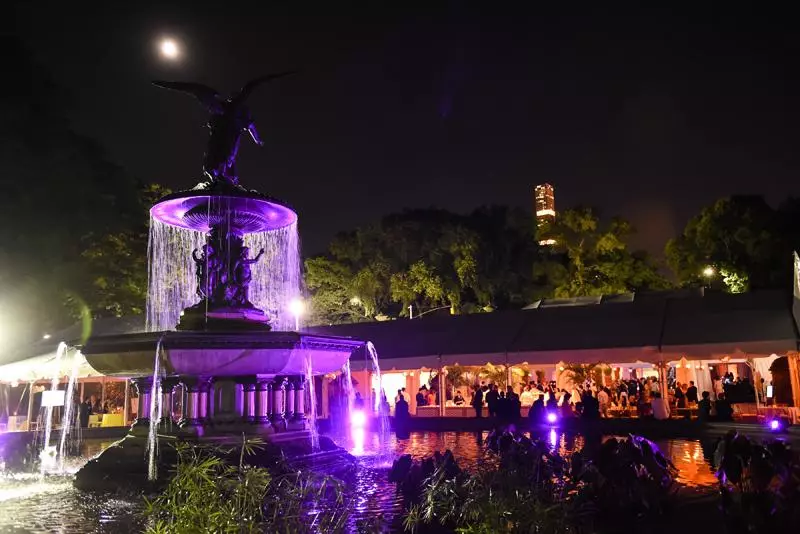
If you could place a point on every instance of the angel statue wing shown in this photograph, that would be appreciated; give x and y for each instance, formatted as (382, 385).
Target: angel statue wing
(207, 96)
(252, 84)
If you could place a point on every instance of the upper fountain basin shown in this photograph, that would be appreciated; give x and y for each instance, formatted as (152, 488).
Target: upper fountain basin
(218, 354)
(231, 206)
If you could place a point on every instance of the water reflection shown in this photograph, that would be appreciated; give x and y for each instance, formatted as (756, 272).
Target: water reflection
(53, 505)
(694, 470)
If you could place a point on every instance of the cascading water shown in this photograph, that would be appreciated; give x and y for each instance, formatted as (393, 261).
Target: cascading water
(69, 412)
(311, 402)
(155, 416)
(172, 282)
(349, 396)
(172, 278)
(378, 405)
(48, 453)
(277, 277)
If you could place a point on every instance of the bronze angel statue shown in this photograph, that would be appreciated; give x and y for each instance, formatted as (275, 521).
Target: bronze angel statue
(229, 119)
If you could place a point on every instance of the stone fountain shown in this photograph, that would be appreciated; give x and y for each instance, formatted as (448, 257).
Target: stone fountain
(236, 374)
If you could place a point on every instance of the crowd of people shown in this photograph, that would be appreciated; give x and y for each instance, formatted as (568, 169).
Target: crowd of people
(92, 406)
(638, 396)
(642, 397)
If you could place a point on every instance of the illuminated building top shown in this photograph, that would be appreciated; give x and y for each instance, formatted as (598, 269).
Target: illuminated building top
(545, 204)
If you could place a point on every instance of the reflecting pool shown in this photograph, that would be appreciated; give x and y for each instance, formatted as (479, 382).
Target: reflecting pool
(29, 503)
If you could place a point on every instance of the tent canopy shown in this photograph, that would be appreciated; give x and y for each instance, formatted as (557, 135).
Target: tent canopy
(643, 328)
(648, 328)
(45, 367)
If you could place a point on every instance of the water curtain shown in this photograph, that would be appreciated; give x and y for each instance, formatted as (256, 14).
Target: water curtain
(172, 279)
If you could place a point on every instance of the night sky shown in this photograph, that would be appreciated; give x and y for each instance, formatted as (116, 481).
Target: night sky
(646, 115)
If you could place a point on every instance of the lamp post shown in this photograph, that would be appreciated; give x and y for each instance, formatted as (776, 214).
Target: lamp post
(297, 307)
(708, 274)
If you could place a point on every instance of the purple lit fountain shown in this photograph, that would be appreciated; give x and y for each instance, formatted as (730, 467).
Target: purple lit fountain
(223, 266)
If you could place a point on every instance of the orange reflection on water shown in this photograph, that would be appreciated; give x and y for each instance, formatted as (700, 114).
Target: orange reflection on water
(693, 469)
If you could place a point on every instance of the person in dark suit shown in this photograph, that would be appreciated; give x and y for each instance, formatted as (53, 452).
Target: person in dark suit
(84, 411)
(421, 400)
(491, 400)
(477, 401)
(691, 393)
(724, 409)
(704, 408)
(401, 418)
(536, 413)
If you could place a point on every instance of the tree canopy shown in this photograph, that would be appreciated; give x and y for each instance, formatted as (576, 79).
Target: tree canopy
(425, 259)
(591, 257)
(746, 243)
(488, 259)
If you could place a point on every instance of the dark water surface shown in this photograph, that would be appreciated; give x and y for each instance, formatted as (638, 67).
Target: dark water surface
(30, 504)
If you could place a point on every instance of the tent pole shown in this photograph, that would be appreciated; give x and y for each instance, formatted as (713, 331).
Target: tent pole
(442, 392)
(662, 379)
(30, 404)
(756, 380)
(126, 408)
(794, 375)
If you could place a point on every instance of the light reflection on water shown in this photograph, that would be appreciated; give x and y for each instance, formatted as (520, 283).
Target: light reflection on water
(30, 504)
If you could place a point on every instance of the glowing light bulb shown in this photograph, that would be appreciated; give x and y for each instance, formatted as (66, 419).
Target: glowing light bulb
(169, 49)
(297, 307)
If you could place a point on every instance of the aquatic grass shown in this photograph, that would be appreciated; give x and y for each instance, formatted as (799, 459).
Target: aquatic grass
(207, 493)
(759, 485)
(531, 488)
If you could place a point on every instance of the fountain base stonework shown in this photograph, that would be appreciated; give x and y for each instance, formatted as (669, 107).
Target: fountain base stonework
(229, 384)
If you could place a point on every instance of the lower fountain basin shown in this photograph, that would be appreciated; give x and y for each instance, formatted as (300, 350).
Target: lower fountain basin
(218, 353)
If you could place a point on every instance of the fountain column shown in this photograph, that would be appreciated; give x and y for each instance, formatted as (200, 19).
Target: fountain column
(202, 400)
(191, 411)
(144, 389)
(289, 398)
(211, 406)
(238, 403)
(168, 386)
(298, 421)
(249, 390)
(278, 403)
(263, 404)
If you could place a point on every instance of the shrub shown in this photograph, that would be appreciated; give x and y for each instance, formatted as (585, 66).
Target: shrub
(760, 485)
(209, 493)
(531, 488)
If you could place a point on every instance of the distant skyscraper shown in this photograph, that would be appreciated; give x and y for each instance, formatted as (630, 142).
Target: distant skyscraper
(545, 204)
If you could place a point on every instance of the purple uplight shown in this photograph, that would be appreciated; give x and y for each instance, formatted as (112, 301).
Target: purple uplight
(551, 417)
(774, 425)
(248, 214)
(358, 419)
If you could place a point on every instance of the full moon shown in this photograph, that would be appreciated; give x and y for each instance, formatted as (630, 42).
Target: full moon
(169, 49)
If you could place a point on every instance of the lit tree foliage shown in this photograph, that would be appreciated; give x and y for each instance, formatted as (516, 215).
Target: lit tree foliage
(748, 244)
(427, 259)
(592, 258)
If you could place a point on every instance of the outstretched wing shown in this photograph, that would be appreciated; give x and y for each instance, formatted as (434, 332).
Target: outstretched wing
(252, 84)
(206, 95)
